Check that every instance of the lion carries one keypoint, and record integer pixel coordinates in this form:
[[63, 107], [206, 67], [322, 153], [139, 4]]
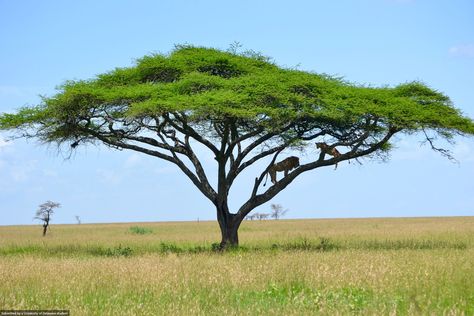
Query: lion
[[325, 148], [285, 165]]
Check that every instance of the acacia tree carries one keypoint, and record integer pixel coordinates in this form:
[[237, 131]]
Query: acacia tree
[[277, 211], [44, 213], [242, 108]]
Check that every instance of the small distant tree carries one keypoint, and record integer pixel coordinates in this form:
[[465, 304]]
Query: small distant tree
[[277, 211], [252, 217], [78, 220], [44, 213], [261, 216]]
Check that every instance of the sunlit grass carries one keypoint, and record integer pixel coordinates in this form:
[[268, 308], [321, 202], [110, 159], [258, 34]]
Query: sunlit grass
[[357, 266]]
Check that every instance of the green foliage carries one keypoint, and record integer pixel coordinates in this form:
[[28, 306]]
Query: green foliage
[[118, 252], [169, 248], [212, 85], [413, 244], [305, 244], [140, 230], [321, 244]]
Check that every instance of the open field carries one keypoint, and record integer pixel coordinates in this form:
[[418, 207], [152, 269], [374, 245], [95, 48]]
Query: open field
[[286, 267]]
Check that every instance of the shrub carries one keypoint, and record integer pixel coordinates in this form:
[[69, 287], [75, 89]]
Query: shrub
[[140, 230], [118, 251]]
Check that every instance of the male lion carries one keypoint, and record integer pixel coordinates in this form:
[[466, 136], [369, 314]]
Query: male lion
[[285, 165]]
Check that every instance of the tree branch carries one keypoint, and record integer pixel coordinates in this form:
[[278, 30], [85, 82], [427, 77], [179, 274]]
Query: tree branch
[[444, 152], [174, 159], [259, 199], [206, 188], [259, 180], [186, 129]]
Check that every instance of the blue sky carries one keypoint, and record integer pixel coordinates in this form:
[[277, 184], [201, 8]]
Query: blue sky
[[378, 42]]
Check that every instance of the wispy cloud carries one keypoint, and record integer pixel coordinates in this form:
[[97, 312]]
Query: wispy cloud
[[465, 50]]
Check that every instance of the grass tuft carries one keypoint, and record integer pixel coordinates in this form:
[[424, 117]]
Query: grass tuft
[[140, 230], [409, 244], [305, 244]]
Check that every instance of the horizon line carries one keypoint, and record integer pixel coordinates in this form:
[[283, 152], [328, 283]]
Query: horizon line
[[197, 220]]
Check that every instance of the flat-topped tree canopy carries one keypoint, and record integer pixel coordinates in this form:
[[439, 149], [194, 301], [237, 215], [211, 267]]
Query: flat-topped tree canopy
[[212, 85], [243, 108]]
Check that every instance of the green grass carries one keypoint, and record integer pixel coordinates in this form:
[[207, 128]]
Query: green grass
[[303, 244], [327, 267], [140, 230]]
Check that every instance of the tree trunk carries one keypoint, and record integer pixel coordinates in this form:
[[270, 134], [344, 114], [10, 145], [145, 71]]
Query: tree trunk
[[45, 227], [229, 225]]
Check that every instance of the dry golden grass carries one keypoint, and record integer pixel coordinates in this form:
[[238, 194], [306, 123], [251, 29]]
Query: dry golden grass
[[377, 266], [250, 233]]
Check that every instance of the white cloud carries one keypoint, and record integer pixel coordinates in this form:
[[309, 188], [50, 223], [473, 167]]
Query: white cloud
[[466, 50]]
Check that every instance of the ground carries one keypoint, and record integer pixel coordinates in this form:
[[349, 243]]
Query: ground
[[286, 267]]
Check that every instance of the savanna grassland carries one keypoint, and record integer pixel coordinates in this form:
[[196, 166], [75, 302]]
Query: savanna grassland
[[286, 267]]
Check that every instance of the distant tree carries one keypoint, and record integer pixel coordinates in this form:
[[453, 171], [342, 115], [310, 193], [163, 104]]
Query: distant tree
[[261, 216], [243, 109], [78, 220], [277, 211], [44, 213]]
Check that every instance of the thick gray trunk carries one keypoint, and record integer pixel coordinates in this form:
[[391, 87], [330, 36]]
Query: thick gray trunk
[[229, 225]]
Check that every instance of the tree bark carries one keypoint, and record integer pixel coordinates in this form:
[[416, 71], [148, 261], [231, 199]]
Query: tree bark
[[229, 225], [45, 227]]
